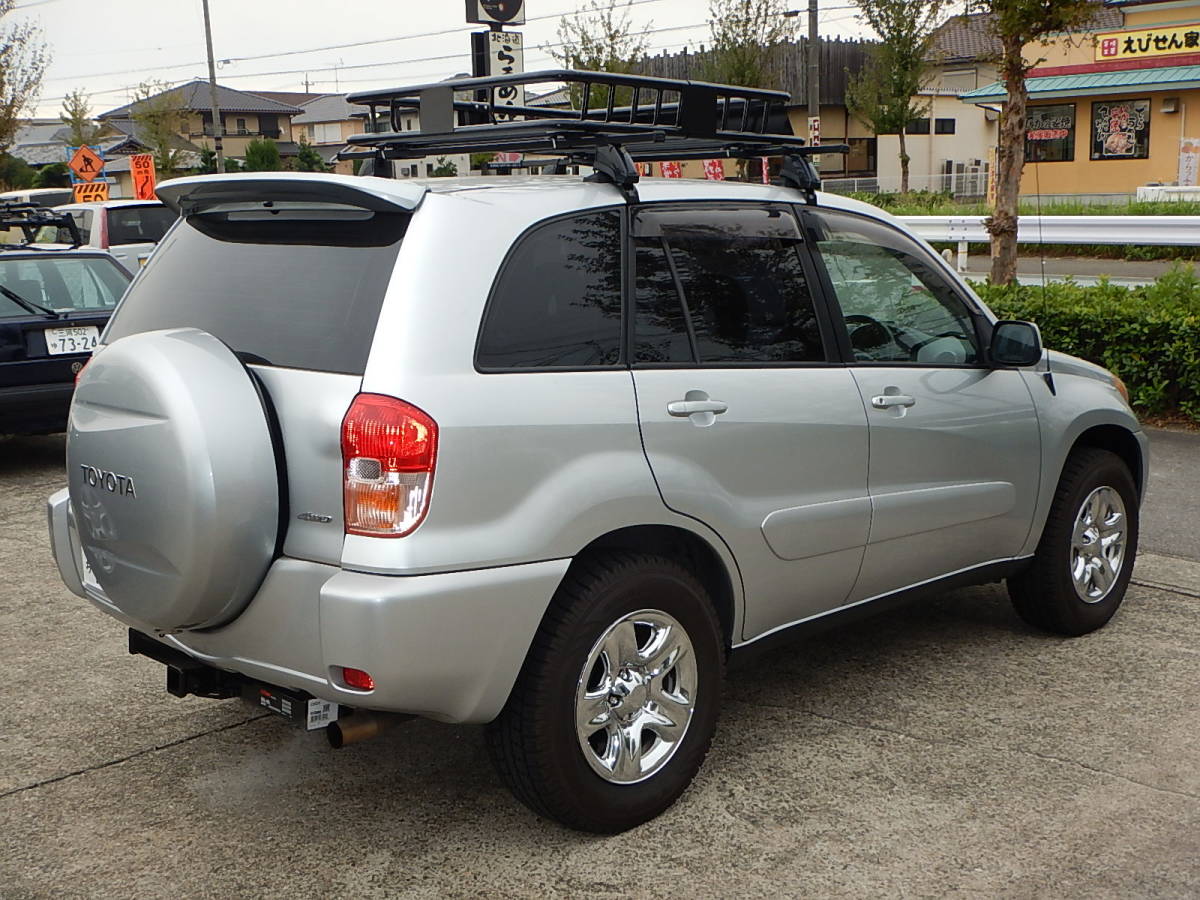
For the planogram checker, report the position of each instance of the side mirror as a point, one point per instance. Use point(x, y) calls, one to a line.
point(1015, 344)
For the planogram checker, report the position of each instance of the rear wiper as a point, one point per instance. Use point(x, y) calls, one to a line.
point(29, 304)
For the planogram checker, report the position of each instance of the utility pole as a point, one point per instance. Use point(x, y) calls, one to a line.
point(814, 66)
point(212, 90)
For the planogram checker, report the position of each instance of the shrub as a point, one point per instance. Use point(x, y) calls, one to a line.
point(1149, 336)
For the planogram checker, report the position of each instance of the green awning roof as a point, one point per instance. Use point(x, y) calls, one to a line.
point(1130, 81)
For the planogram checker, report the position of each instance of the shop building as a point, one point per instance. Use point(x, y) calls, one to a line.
point(1116, 108)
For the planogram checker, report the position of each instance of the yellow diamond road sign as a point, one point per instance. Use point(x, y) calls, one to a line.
point(86, 164)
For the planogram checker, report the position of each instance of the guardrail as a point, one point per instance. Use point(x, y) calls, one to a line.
point(1152, 231)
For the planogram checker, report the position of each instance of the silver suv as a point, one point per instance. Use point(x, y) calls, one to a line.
point(542, 452)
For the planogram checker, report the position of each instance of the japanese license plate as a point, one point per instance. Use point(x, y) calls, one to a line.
point(72, 339)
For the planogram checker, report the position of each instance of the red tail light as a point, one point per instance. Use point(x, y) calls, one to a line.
point(389, 449)
point(357, 679)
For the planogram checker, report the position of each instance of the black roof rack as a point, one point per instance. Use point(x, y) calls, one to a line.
point(30, 217)
point(621, 119)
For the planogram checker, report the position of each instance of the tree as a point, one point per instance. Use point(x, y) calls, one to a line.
point(262, 156)
point(53, 175)
point(15, 173)
point(601, 37)
point(309, 160)
point(885, 93)
point(77, 115)
point(1016, 25)
point(445, 168)
point(745, 39)
point(23, 61)
point(157, 111)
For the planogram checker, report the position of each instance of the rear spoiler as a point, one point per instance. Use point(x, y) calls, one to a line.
point(196, 194)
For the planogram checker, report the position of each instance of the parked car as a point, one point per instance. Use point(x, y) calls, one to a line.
point(128, 229)
point(53, 306)
point(542, 453)
point(42, 197)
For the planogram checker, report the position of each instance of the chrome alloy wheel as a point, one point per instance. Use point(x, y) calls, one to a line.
point(635, 696)
point(1098, 544)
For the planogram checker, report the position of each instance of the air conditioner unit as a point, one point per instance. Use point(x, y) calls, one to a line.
point(1170, 105)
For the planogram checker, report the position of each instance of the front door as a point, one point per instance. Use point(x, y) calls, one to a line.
point(747, 423)
point(955, 446)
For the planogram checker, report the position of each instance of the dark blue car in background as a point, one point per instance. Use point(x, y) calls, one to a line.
point(53, 305)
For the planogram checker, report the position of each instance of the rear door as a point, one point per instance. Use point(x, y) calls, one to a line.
point(955, 445)
point(747, 423)
point(295, 294)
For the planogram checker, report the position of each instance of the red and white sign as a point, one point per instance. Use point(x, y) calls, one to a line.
point(766, 170)
point(671, 169)
point(141, 167)
point(814, 130)
point(508, 159)
point(714, 170)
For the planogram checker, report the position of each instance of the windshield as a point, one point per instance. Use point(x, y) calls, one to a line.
point(61, 283)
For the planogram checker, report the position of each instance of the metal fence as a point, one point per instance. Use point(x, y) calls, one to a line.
point(1150, 231)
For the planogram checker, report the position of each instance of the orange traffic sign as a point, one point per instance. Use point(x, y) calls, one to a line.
point(91, 191)
point(141, 167)
point(86, 163)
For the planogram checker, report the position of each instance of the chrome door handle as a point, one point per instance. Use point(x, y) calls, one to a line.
point(681, 409)
point(887, 401)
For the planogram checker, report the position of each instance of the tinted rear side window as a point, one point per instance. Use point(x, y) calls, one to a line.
point(138, 224)
point(295, 290)
point(557, 303)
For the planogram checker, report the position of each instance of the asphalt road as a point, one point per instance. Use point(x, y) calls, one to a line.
point(942, 749)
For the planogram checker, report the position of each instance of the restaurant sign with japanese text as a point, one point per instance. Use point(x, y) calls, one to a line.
point(1145, 43)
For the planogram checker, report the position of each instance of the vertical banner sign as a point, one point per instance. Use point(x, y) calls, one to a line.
point(714, 170)
point(85, 163)
point(814, 137)
point(766, 171)
point(141, 167)
point(1189, 162)
point(991, 178)
point(506, 56)
point(671, 170)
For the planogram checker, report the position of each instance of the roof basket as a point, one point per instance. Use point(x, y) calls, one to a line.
point(620, 120)
point(30, 218)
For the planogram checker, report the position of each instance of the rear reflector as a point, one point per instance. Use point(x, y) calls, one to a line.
point(389, 449)
point(358, 680)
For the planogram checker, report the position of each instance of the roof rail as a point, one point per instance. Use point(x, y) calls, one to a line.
point(30, 217)
point(621, 120)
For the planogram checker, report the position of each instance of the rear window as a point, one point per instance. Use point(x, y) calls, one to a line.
point(296, 288)
point(62, 283)
point(138, 224)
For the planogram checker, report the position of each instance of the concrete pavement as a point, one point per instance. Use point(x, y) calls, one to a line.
point(939, 749)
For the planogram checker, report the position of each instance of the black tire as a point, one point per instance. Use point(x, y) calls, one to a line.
point(1044, 595)
point(533, 742)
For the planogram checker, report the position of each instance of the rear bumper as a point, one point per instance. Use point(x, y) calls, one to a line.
point(446, 646)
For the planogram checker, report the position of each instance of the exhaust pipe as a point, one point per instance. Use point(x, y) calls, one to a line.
point(360, 727)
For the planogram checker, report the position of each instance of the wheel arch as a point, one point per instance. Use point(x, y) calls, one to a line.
point(718, 575)
point(1120, 441)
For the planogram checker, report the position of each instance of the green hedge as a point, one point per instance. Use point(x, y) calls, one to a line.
point(1149, 336)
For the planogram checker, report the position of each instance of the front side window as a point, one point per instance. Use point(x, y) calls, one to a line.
point(897, 307)
point(718, 286)
point(557, 302)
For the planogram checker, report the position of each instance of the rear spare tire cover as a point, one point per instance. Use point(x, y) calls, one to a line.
point(173, 478)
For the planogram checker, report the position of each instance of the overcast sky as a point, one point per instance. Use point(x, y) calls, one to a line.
point(107, 46)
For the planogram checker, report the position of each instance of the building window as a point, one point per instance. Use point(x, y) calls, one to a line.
point(1121, 129)
point(944, 126)
point(241, 126)
point(918, 126)
point(1050, 133)
point(861, 159)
